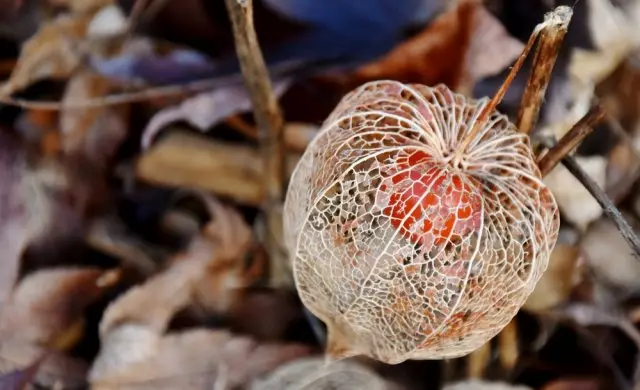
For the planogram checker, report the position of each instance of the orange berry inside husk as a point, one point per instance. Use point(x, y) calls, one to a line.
point(431, 204)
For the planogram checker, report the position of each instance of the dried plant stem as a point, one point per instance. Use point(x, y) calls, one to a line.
point(497, 98)
point(605, 202)
point(571, 140)
point(551, 36)
point(269, 119)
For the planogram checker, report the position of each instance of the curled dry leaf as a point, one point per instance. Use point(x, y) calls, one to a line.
point(613, 30)
point(462, 46)
point(94, 133)
point(316, 373)
point(226, 240)
point(198, 359)
point(44, 314)
point(182, 159)
point(556, 284)
point(47, 304)
point(207, 109)
point(613, 265)
point(575, 202)
point(134, 346)
point(53, 52)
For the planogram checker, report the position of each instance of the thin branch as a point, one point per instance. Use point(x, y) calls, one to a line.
point(269, 119)
point(551, 23)
point(571, 140)
point(551, 36)
point(605, 202)
point(497, 98)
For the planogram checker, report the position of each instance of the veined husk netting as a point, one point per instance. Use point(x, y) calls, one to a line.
point(405, 248)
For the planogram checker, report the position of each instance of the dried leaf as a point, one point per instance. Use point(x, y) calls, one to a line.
point(196, 359)
point(491, 49)
point(49, 303)
point(206, 110)
point(93, 133)
point(575, 202)
point(460, 47)
point(558, 281)
point(611, 262)
point(46, 311)
point(317, 374)
point(53, 52)
point(613, 30)
point(227, 239)
point(132, 328)
point(14, 212)
point(187, 160)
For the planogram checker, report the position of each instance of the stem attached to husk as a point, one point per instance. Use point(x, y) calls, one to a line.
point(551, 33)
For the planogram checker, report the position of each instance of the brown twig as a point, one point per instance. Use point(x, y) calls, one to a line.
point(551, 36)
point(548, 24)
point(571, 140)
point(605, 202)
point(269, 119)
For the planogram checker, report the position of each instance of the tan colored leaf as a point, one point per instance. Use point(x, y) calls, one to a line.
point(206, 110)
point(48, 303)
point(611, 262)
point(95, 133)
point(491, 49)
point(575, 201)
point(209, 272)
point(53, 52)
point(197, 359)
point(558, 281)
point(46, 311)
point(14, 211)
point(181, 159)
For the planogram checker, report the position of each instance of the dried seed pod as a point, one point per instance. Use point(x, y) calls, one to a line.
point(403, 243)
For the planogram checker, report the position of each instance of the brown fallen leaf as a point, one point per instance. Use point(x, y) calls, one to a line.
point(461, 46)
point(227, 239)
point(44, 315)
point(205, 110)
point(314, 373)
point(48, 304)
point(14, 211)
point(54, 52)
point(192, 161)
point(135, 349)
point(196, 359)
point(94, 133)
point(558, 281)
